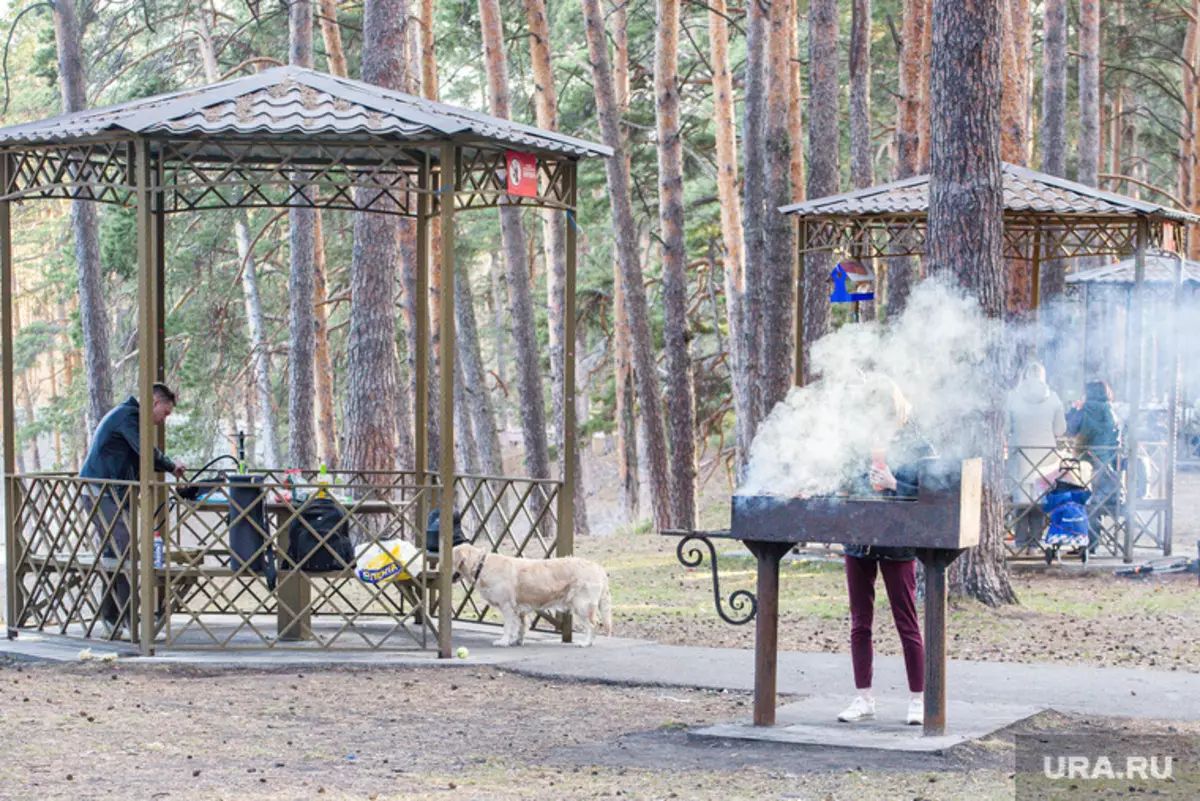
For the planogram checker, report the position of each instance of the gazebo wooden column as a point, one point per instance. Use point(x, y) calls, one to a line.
point(1134, 347)
point(9, 418)
point(448, 182)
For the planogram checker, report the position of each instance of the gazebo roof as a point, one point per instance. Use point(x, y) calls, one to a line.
point(1160, 269)
point(292, 102)
point(1026, 192)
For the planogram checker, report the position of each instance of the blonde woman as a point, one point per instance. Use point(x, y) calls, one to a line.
point(894, 472)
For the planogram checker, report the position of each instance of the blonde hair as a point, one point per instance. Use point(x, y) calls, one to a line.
point(882, 390)
point(1034, 370)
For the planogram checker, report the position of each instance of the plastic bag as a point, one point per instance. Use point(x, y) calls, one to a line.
point(389, 560)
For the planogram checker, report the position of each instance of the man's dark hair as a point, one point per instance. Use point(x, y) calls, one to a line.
point(163, 392)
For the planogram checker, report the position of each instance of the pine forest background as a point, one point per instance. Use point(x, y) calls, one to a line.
point(833, 96)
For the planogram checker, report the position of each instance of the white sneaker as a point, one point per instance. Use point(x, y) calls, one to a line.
point(860, 709)
point(916, 711)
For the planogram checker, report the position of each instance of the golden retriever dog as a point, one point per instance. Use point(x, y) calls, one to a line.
point(518, 587)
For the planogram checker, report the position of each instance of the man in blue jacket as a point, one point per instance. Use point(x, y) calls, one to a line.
point(114, 455)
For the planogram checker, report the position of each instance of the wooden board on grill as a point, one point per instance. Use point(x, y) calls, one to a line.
point(945, 514)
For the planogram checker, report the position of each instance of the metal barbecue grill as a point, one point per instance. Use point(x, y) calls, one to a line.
point(940, 523)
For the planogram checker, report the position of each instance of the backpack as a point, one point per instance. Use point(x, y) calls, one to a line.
point(247, 520)
point(330, 549)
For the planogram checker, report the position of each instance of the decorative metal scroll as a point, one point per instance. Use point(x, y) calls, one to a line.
point(738, 599)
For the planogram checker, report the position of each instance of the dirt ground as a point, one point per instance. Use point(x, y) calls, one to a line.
point(1095, 619)
point(114, 731)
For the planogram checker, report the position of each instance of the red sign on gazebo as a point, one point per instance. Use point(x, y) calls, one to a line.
point(522, 173)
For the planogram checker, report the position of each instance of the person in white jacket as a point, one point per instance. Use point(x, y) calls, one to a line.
point(1035, 424)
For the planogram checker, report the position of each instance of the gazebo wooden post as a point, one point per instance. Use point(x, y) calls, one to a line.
point(566, 494)
point(421, 322)
point(1134, 349)
point(449, 180)
point(1176, 363)
point(147, 361)
point(1035, 300)
point(798, 300)
point(9, 418)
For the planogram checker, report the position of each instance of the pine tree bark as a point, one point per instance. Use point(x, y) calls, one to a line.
point(681, 408)
point(1054, 124)
point(326, 414)
point(778, 306)
point(626, 405)
point(331, 33)
point(1191, 193)
point(85, 227)
point(1012, 140)
point(500, 337)
point(520, 292)
point(731, 228)
point(554, 235)
point(823, 126)
point(754, 211)
point(966, 233)
point(483, 419)
point(904, 270)
point(796, 107)
point(862, 173)
point(302, 440)
point(617, 169)
point(1089, 91)
point(924, 110)
point(371, 384)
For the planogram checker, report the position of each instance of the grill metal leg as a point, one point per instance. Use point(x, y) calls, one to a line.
point(766, 632)
point(936, 561)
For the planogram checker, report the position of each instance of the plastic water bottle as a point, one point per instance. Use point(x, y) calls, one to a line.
point(323, 480)
point(160, 558)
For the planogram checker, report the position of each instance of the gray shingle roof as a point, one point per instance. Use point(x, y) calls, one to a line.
point(1025, 192)
point(1160, 269)
point(292, 101)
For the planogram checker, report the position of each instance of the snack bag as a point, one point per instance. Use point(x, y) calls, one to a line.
point(388, 560)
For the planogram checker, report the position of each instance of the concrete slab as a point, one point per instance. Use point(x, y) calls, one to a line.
point(813, 722)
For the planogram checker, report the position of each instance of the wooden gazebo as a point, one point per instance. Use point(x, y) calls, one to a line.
point(285, 137)
point(1046, 219)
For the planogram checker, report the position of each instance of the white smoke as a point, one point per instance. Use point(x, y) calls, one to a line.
point(823, 433)
point(943, 353)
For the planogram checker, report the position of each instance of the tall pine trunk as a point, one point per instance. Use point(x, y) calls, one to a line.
point(331, 34)
point(796, 107)
point(483, 419)
point(1013, 146)
point(85, 227)
point(966, 233)
point(904, 270)
point(823, 124)
point(624, 233)
point(626, 405)
point(681, 408)
point(778, 306)
point(554, 235)
point(1054, 162)
point(1089, 91)
point(520, 292)
point(302, 440)
point(371, 382)
point(862, 172)
point(754, 211)
point(731, 231)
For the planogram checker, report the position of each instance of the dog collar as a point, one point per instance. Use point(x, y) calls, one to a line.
point(479, 569)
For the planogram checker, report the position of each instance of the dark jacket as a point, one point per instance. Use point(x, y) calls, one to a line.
point(114, 451)
point(906, 450)
point(1097, 432)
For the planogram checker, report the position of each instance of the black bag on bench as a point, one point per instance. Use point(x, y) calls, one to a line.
point(307, 551)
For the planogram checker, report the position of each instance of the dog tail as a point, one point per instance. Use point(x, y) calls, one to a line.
point(606, 608)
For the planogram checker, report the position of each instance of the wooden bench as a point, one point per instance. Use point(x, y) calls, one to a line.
point(177, 581)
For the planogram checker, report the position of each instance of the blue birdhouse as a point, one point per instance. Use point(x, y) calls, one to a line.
point(851, 282)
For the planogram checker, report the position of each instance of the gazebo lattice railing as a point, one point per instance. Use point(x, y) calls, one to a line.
point(1046, 219)
point(283, 138)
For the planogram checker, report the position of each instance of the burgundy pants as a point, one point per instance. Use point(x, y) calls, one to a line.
point(900, 579)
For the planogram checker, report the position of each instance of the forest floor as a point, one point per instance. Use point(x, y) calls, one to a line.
point(119, 731)
point(1094, 619)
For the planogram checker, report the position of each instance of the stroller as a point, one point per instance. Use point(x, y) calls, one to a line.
point(1065, 506)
